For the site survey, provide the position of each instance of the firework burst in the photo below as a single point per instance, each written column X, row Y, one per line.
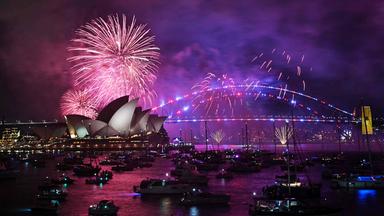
column 283, row 134
column 218, row 136
column 78, row 102
column 213, row 92
column 114, row 58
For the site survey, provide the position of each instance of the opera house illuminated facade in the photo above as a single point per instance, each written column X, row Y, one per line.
column 121, row 118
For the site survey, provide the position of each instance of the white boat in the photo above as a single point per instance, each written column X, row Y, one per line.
column 162, row 186
column 361, row 182
column 104, row 207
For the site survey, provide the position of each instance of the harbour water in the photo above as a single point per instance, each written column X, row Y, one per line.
column 17, row 196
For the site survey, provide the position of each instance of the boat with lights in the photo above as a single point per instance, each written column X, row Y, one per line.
column 290, row 207
column 104, row 207
column 361, row 182
column 161, row 186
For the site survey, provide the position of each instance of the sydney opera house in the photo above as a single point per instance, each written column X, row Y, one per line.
column 120, row 118
column 121, row 122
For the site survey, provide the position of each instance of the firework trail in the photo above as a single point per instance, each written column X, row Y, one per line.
column 215, row 92
column 113, row 58
column 287, row 70
column 78, row 102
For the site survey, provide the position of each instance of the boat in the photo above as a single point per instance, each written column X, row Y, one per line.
column 244, row 167
column 290, row 207
column 97, row 180
column 197, row 197
column 360, row 182
column 183, row 169
column 284, row 179
column 297, row 167
column 48, row 186
column 44, row 207
column 224, row 175
column 293, row 189
column 52, row 194
column 104, row 207
column 86, row 170
column 63, row 180
column 106, row 174
column 205, row 166
column 110, row 162
column 161, row 186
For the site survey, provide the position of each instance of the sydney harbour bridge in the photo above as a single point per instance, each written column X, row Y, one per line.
column 260, row 108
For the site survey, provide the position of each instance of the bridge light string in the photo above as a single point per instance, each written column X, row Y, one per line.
column 287, row 119
column 171, row 101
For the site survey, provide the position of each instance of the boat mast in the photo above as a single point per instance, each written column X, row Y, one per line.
column 288, row 161
column 274, row 140
column 206, row 136
column 246, row 136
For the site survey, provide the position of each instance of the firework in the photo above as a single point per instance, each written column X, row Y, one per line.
column 218, row 136
column 113, row 58
column 287, row 69
column 78, row 102
column 214, row 91
column 283, row 134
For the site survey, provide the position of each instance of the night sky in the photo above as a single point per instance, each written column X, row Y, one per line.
column 342, row 41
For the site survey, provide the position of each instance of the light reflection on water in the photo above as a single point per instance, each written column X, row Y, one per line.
column 364, row 194
column 193, row 211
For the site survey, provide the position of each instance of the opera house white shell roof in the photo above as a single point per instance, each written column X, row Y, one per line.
column 121, row 118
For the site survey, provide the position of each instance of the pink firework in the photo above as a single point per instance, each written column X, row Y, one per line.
column 78, row 102
column 215, row 92
column 114, row 58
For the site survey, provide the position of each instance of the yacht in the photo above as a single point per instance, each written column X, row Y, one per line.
column 52, row 194
column 290, row 207
column 97, row 180
column 86, row 170
column 292, row 189
column 104, row 207
column 162, row 186
column 197, row 197
column 63, row 180
column 361, row 182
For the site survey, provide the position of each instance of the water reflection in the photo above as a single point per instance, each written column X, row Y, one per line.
column 194, row 211
column 365, row 194
column 165, row 206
